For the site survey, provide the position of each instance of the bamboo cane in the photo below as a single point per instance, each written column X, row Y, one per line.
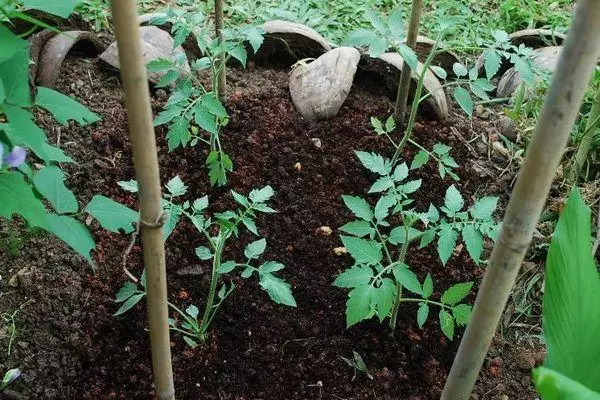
column 145, row 159
column 579, row 56
column 411, row 41
column 221, row 64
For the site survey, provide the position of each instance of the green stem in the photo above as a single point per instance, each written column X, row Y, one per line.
column 383, row 242
column 208, row 311
column 519, row 100
column 413, row 300
column 587, row 138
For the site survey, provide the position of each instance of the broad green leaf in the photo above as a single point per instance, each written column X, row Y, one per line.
column 55, row 154
column 178, row 133
column 14, row 72
column 279, row 290
column 239, row 198
column 407, row 278
column 271, row 266
column 159, row 65
column 422, row 314
column 500, row 36
column 433, row 214
column 23, row 131
column 378, row 46
column 49, row 181
column 456, row 293
column 420, row 159
column 360, row 38
column 462, row 314
column 463, row 98
column 571, row 320
column 396, row 23
column 256, row 248
column 111, row 215
column 409, row 56
column 176, row 187
column 168, row 78
column 459, row 69
column 247, row 273
column 200, row 204
column 428, row 237
column 167, row 115
column 439, row 71
column 400, row 172
column 453, row 200
column 382, row 184
column 427, row 286
column 484, row 208
column 125, row 292
column 390, row 124
column 205, row 119
column 10, row 45
column 492, row 61
column 173, row 215
column 127, row 305
column 363, row 251
column 239, row 53
column 203, row 253
column 250, row 225
column 374, row 162
column 353, row 277
column 376, row 21
column 474, row 241
column 411, row 186
column 398, row 235
column 447, row 324
column 214, row 105
column 446, row 243
column 384, row 297
column 359, row 207
column 552, row 385
column 18, row 198
column 261, row 195
column 64, row 108
column 383, row 206
column 227, row 267
column 358, row 228
column 441, row 149
column 62, row 8
column 130, row 185
column 358, row 306
column 73, row 233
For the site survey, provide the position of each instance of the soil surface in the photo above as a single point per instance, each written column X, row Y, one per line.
column 69, row 346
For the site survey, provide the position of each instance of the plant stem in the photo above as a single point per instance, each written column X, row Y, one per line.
column 586, row 139
column 222, row 70
column 411, row 41
column 207, row 317
column 519, row 100
column 561, row 107
column 401, row 258
column 145, row 159
column 415, row 105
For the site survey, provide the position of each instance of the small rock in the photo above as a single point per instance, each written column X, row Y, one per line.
column 320, row 88
column 161, row 94
column 324, row 231
column 499, row 147
column 508, row 128
column 340, row 251
column 298, row 166
column 482, row 112
column 525, row 360
column 316, row 142
column 503, row 397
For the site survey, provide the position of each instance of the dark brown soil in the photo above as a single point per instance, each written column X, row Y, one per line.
column 69, row 345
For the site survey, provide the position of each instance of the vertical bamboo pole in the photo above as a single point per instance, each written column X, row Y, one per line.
column 222, row 65
column 411, row 41
column 145, row 159
column 579, row 56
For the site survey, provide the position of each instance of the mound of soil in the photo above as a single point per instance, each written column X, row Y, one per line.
column 69, row 345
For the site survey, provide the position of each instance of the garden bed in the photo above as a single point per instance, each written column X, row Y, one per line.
column 69, row 346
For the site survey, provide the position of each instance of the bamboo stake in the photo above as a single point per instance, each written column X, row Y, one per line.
column 222, row 63
column 579, row 56
column 145, row 159
column 411, row 41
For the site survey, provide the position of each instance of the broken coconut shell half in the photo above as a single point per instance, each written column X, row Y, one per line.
column 387, row 69
column 444, row 59
column 49, row 50
column 285, row 43
column 189, row 45
column 532, row 38
column 156, row 43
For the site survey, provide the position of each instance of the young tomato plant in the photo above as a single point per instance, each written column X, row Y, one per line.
column 193, row 111
column 217, row 232
column 380, row 271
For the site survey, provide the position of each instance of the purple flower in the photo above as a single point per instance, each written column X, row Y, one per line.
column 15, row 158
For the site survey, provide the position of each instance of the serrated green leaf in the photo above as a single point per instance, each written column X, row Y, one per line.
column 200, row 204
column 411, row 186
column 176, row 187
column 205, row 119
column 239, row 53
column 446, row 243
column 422, row 314
column 358, row 228
column 363, row 251
column 400, row 172
column 382, row 184
column 353, row 277
column 168, row 78
column 129, row 303
column 214, row 105
column 111, row 215
column 374, row 162
column 360, row 37
column 178, row 133
column 433, row 214
column 474, row 241
column 271, row 266
column 441, row 149
column 447, row 324
column 453, row 200
column 261, row 195
column 409, row 56
column 73, row 233
column 247, row 273
column 173, row 215
column 390, row 124
column 396, row 23
column 398, row 235
column 383, row 206
column 463, row 98
column 359, row 207
column 167, row 115
column 492, row 61
column 571, row 297
column 456, row 293
column 407, row 278
column 126, row 291
column 159, row 65
column 420, row 159
column 358, row 305
column 462, row 314
column 428, row 237
column 227, row 267
column 130, row 185
column 383, row 298
column 64, row 108
column 256, row 248
column 49, row 181
column 279, row 291
column 484, row 208
column 427, row 286
column 203, row 253
column 250, row 225
column 240, row 199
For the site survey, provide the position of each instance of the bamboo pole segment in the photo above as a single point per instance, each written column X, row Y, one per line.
column 411, row 41
column 579, row 56
column 222, row 59
column 145, row 159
